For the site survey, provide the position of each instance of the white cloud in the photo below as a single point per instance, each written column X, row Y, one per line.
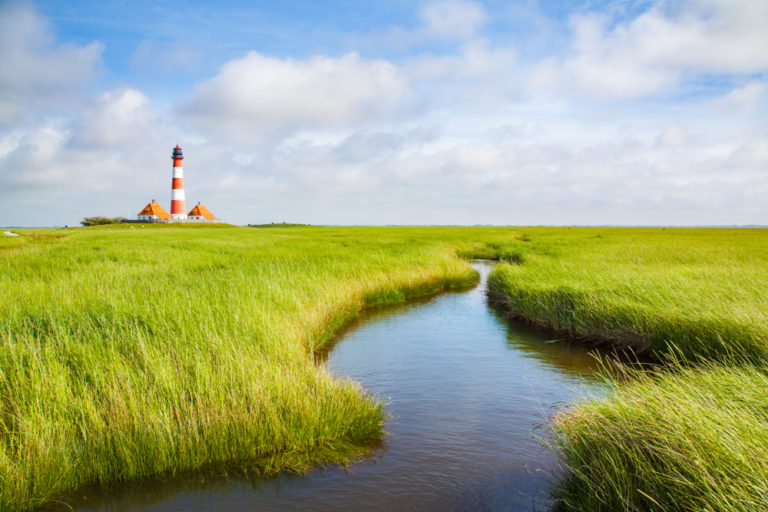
column 745, row 97
column 477, row 74
column 476, row 58
column 442, row 22
column 120, row 116
column 657, row 50
column 502, row 178
column 673, row 136
column 453, row 19
column 730, row 36
column 35, row 72
column 264, row 97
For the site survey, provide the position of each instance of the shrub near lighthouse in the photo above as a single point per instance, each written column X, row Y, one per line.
column 178, row 206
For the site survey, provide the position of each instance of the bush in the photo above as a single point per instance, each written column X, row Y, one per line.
column 99, row 221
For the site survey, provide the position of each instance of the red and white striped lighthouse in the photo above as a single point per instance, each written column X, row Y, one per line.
column 178, row 207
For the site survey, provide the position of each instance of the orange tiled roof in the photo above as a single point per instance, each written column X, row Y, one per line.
column 155, row 209
column 201, row 211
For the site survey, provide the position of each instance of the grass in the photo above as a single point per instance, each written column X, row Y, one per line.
column 692, row 436
column 701, row 291
column 682, row 439
column 279, row 225
column 127, row 353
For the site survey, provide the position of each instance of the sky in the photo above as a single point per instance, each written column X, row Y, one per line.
column 401, row 112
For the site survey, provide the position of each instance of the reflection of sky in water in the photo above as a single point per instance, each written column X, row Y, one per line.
column 468, row 395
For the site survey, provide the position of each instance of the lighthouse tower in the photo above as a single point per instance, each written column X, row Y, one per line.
column 178, row 206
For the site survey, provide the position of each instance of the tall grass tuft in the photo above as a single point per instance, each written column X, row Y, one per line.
column 682, row 439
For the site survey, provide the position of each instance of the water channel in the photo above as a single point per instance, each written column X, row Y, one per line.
column 469, row 396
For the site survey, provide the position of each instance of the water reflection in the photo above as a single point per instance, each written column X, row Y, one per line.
column 558, row 353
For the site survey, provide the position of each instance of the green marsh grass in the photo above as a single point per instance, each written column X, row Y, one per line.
column 701, row 291
column 131, row 351
column 693, row 435
column 681, row 439
column 134, row 350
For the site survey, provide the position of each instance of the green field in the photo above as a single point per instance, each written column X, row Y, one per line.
column 699, row 290
column 129, row 351
column 690, row 437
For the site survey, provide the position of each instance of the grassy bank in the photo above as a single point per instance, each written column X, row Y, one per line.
column 128, row 351
column 692, row 437
column 701, row 291
column 686, row 439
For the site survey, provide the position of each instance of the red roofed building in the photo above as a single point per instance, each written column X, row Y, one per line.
column 200, row 212
column 153, row 211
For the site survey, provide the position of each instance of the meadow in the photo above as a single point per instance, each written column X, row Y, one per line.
column 697, row 292
column 693, row 433
column 131, row 352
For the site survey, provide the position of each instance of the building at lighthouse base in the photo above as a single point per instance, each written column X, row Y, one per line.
column 153, row 212
column 201, row 213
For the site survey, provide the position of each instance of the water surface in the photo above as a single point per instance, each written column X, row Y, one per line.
column 469, row 396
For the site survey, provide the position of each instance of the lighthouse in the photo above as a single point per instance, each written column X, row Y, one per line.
column 153, row 212
column 178, row 206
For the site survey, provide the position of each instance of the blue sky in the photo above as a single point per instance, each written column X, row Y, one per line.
column 214, row 33
column 348, row 112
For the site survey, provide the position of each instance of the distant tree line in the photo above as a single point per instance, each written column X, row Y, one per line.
column 98, row 221
column 279, row 225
